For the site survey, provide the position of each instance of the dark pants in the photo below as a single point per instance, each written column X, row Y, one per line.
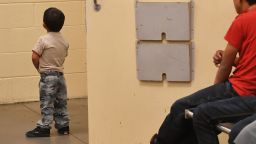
column 248, row 133
column 217, row 103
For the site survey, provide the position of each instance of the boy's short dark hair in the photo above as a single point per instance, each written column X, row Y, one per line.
column 251, row 2
column 54, row 19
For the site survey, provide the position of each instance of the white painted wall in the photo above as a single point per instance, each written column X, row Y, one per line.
column 123, row 110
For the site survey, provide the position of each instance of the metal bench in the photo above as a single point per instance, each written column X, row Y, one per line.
column 223, row 127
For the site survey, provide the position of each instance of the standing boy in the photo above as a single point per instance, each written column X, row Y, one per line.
column 48, row 57
column 230, row 99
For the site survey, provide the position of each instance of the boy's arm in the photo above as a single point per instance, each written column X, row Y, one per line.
column 217, row 58
column 236, row 61
column 228, row 60
column 35, row 60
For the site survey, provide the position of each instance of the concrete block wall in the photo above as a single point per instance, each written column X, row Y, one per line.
column 20, row 27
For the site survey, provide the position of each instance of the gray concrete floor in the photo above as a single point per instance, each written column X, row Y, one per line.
column 17, row 119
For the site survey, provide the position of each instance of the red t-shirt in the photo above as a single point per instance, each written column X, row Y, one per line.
column 242, row 35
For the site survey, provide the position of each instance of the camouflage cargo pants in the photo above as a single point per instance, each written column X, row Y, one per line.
column 53, row 100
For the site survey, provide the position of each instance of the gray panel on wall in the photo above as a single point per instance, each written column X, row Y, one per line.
column 156, row 59
column 155, row 18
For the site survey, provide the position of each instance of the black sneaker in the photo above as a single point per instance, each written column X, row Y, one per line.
column 64, row 130
column 39, row 132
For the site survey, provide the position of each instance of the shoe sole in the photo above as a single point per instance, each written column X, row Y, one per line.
column 33, row 136
column 64, row 133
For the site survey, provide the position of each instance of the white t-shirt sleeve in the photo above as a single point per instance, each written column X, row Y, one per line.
column 39, row 46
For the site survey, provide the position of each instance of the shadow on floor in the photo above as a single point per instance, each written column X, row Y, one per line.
column 17, row 119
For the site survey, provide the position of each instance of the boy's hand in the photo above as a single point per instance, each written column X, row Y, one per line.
column 217, row 58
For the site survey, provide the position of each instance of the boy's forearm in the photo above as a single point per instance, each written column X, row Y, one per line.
column 35, row 60
column 228, row 60
column 36, row 64
column 222, row 74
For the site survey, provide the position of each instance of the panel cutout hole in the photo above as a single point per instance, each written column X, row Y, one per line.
column 163, row 36
column 163, row 76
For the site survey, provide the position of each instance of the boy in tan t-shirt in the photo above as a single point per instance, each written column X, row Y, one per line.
column 48, row 57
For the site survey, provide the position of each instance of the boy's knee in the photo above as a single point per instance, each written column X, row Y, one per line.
column 178, row 106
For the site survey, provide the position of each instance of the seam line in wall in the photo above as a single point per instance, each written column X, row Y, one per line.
column 40, row 2
column 13, row 77
column 36, row 27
